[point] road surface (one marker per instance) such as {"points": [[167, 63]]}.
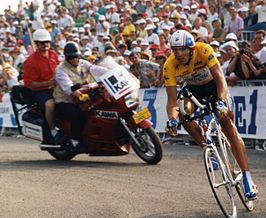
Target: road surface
{"points": [[33, 184]]}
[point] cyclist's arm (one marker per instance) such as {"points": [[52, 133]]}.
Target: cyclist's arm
{"points": [[171, 107], [218, 76]]}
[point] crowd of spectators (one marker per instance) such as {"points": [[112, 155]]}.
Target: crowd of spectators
{"points": [[136, 33]]}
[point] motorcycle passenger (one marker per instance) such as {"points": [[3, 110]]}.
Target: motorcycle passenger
{"points": [[69, 76], [197, 65], [39, 77]]}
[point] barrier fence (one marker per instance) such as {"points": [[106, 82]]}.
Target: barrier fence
{"points": [[249, 106]]}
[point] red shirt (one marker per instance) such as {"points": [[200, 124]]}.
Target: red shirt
{"points": [[38, 68]]}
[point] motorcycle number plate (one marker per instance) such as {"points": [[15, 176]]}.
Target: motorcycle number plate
{"points": [[141, 115]]}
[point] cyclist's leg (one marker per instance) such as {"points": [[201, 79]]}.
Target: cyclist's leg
{"points": [[235, 140], [192, 127], [239, 151]]}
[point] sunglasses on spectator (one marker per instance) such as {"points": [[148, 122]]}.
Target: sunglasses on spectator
{"points": [[44, 42], [75, 57]]}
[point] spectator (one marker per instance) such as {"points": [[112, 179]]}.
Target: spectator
{"points": [[114, 19], [151, 37], [103, 26], [146, 71], [218, 32], [203, 32], [261, 11], [262, 53], [236, 24], [256, 43]]}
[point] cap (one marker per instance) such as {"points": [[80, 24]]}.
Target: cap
{"points": [[84, 37], [141, 21], [87, 53], [229, 44], [136, 50], [201, 11], [186, 8], [166, 27], [127, 53], [194, 6], [81, 30], [215, 43], [155, 20], [231, 36], [149, 27]]}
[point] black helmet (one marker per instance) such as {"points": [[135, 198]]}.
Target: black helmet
{"points": [[71, 50]]}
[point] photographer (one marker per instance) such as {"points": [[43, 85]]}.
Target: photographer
{"points": [[245, 65]]}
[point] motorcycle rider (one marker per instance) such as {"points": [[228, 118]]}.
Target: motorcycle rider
{"points": [[69, 76], [39, 77]]}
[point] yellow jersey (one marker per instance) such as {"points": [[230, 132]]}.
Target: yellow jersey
{"points": [[197, 72]]}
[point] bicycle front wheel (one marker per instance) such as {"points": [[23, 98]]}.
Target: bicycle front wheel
{"points": [[220, 183]]}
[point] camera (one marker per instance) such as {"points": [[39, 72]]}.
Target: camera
{"points": [[243, 50]]}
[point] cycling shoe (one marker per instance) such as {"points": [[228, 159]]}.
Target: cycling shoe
{"points": [[215, 164], [251, 190]]}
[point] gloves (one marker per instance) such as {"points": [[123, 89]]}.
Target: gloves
{"points": [[221, 107], [171, 127]]}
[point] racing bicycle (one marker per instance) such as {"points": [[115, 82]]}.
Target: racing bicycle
{"points": [[225, 177]]}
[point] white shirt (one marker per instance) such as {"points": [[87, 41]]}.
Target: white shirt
{"points": [[261, 55], [203, 32], [114, 19], [261, 14], [66, 21], [153, 39], [100, 28]]}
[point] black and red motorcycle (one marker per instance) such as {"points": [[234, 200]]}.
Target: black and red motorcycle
{"points": [[113, 123]]}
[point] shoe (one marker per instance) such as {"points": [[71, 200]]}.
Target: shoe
{"points": [[251, 190], [59, 138], [215, 164], [78, 146]]}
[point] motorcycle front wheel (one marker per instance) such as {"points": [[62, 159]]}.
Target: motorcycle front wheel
{"points": [[62, 154], [149, 146]]}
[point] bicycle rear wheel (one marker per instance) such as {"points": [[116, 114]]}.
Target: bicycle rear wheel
{"points": [[237, 175], [220, 184]]}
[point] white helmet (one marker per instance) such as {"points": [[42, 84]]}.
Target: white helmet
{"points": [[41, 35], [182, 38]]}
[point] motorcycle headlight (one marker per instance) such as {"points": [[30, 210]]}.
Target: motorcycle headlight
{"points": [[131, 99]]}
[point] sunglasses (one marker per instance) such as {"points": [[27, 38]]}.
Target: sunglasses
{"points": [[75, 57], [44, 42]]}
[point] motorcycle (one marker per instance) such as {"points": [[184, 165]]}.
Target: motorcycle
{"points": [[113, 123]]}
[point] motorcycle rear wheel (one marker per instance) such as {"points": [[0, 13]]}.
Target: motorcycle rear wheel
{"points": [[62, 154], [150, 149]]}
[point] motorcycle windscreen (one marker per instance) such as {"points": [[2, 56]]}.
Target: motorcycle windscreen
{"points": [[119, 82]]}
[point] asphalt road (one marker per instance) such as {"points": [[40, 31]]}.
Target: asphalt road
{"points": [[33, 184]]}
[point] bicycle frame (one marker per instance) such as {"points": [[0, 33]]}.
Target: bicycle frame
{"points": [[230, 176]]}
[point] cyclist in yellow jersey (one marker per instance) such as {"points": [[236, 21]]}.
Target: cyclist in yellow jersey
{"points": [[196, 65]]}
